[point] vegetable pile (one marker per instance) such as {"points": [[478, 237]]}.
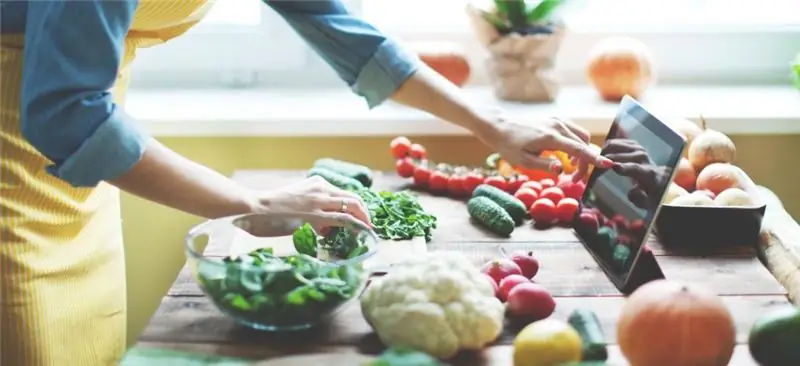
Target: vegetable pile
{"points": [[395, 215], [294, 290]]}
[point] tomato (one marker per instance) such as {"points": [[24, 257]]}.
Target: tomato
{"points": [[571, 189], [405, 167], [455, 186], [438, 182], [547, 183], [620, 221], [589, 220], [418, 152], [421, 176], [516, 182], [637, 226], [472, 181], [527, 196], [555, 194], [566, 209], [543, 210], [496, 181], [534, 185], [400, 147]]}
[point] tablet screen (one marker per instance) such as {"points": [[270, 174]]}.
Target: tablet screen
{"points": [[620, 204]]}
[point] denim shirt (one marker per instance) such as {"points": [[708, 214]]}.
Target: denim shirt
{"points": [[73, 50]]}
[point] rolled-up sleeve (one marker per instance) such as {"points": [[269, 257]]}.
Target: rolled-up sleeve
{"points": [[373, 65], [73, 50]]}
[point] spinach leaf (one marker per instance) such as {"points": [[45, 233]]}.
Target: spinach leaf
{"points": [[400, 356], [305, 240]]}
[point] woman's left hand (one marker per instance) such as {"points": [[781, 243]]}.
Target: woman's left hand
{"points": [[522, 142]]}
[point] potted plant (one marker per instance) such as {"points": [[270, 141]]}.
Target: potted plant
{"points": [[523, 40]]}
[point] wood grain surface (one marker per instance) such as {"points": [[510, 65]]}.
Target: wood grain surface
{"points": [[188, 321]]}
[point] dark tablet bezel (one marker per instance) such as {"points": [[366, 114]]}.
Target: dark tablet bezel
{"points": [[670, 137]]}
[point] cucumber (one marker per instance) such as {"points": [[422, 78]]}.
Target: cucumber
{"points": [[337, 179], [346, 168], [509, 203], [592, 338], [491, 215]]}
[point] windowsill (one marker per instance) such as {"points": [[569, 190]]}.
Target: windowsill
{"points": [[336, 112]]}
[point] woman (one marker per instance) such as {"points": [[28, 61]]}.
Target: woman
{"points": [[67, 147]]}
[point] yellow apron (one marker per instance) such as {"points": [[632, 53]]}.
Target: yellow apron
{"points": [[62, 294]]}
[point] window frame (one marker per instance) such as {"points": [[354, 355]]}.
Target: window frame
{"points": [[245, 57]]}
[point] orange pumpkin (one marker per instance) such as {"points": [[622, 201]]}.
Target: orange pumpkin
{"points": [[446, 59], [666, 323]]}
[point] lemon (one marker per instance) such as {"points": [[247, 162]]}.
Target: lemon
{"points": [[547, 342]]}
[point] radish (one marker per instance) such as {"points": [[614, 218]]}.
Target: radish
{"points": [[530, 301], [508, 283], [500, 268], [527, 263]]}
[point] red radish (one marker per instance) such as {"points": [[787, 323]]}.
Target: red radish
{"points": [[530, 301], [494, 284], [508, 283], [500, 268], [527, 263], [589, 220]]}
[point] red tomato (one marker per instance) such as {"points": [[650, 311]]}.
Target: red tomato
{"points": [[534, 185], [496, 181], [555, 194], [455, 186], [547, 183], [418, 152], [566, 209], [405, 167], [527, 196], [589, 220], [421, 176], [571, 189], [438, 182], [516, 182], [637, 226], [400, 147], [543, 210], [620, 221], [472, 181]]}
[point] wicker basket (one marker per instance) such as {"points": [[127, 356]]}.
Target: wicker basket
{"points": [[521, 68]]}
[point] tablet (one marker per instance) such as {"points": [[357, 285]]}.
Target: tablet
{"points": [[620, 204]]}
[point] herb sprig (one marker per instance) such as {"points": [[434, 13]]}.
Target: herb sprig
{"points": [[398, 215]]}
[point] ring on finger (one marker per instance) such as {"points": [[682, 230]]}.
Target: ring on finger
{"points": [[344, 206]]}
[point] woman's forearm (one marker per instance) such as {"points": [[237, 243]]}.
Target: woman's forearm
{"points": [[165, 177], [428, 91]]}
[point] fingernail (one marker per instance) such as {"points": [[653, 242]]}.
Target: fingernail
{"points": [[606, 162]]}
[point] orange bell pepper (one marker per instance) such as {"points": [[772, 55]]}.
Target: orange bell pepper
{"points": [[563, 158]]}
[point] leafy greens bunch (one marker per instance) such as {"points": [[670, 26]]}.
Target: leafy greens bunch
{"points": [[262, 288], [398, 215]]}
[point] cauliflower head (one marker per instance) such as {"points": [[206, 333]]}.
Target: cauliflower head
{"points": [[439, 303]]}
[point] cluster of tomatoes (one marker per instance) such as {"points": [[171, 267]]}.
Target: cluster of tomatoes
{"points": [[547, 200]]}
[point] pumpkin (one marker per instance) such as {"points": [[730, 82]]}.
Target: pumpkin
{"points": [[619, 66], [446, 59], [667, 323]]}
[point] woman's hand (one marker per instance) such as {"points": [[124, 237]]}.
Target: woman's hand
{"points": [[328, 205], [521, 143]]}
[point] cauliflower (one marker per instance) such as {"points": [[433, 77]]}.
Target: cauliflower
{"points": [[438, 304]]}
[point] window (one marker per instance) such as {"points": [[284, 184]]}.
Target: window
{"points": [[243, 43]]}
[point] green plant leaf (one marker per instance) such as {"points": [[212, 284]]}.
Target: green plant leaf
{"points": [[502, 8], [399, 356], [541, 12], [305, 240], [496, 22], [517, 13]]}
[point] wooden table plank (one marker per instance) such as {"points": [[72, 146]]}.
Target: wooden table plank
{"points": [[196, 320], [722, 275], [349, 356]]}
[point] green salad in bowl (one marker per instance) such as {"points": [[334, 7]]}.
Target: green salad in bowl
{"points": [[267, 291], [796, 71]]}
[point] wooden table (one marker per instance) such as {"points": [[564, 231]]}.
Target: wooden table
{"points": [[187, 320]]}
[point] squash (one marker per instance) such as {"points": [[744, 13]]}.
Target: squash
{"points": [[446, 59], [667, 323], [619, 66]]}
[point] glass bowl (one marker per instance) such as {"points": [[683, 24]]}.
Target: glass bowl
{"points": [[279, 283]]}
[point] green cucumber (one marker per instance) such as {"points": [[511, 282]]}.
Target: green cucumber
{"points": [[509, 203], [337, 179], [346, 168], [489, 214], [592, 338], [621, 255], [774, 337]]}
